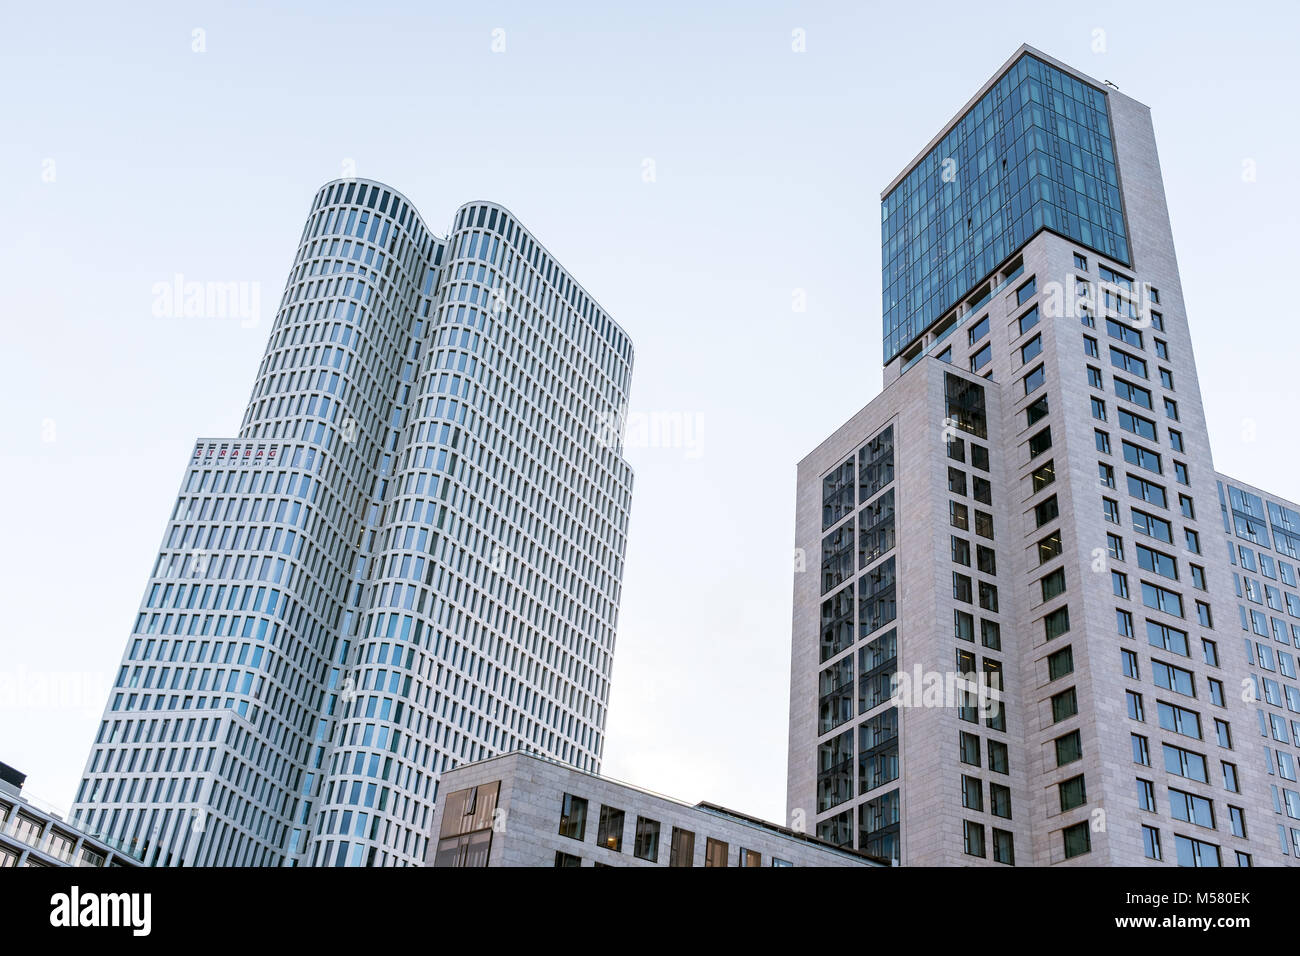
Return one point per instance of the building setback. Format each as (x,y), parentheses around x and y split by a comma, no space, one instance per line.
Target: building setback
(410,556)
(522,810)
(1030,501)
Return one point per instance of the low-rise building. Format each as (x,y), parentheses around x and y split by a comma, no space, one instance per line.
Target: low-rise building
(33,834)
(519,809)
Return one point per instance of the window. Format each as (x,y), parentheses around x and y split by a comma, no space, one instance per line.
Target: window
(1029,320)
(981,358)
(1162,599)
(1053,584)
(963,626)
(1174,678)
(1077,840)
(715,852)
(1089,346)
(1141,457)
(1049,547)
(1044,475)
(1069,748)
(1098,409)
(957,481)
(1102,441)
(1057,623)
(1133,700)
(1034,379)
(1210,652)
(972,793)
(1230,777)
(1141,752)
(1184,763)
(1148,491)
(749,857)
(610,831)
(1180,720)
(960,550)
(1110,510)
(682,851)
(969,749)
(1040,443)
(1167,380)
(1142,427)
(1124,333)
(1171,409)
(1064,705)
(1004,850)
(1072,793)
(1195,852)
(1152,526)
(647,840)
(1123,623)
(1168,638)
(1080,262)
(1146,795)
(978,330)
(974,838)
(567,859)
(1223,733)
(1119,584)
(1128,363)
(1132,393)
(1162,349)
(1036,410)
(1031,349)
(1000,800)
(1192,541)
(573,817)
(986,560)
(998,757)
(1094,378)
(1180,473)
(1060,663)
(958,515)
(1105,475)
(1045,511)
(1026,291)
(1157,561)
(1151,843)
(1237,821)
(1129,662)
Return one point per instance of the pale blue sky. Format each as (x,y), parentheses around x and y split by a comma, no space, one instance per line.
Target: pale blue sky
(769,165)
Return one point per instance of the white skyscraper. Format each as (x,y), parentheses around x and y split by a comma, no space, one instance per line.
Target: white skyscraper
(410,557)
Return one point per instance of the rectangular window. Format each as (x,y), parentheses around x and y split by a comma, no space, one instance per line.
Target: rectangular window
(974,838)
(573,817)
(1031,349)
(1069,748)
(647,840)
(715,852)
(1060,663)
(610,832)
(682,852)
(1072,793)
(1141,751)
(1077,840)
(1034,379)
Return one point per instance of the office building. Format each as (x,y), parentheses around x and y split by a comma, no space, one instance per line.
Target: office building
(1014,640)
(410,555)
(519,809)
(32,833)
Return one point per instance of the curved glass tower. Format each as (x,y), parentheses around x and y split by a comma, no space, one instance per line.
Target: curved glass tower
(410,557)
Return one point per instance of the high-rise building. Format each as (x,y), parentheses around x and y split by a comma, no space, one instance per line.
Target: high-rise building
(409,557)
(1014,641)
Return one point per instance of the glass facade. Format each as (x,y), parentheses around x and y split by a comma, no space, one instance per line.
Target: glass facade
(1035,152)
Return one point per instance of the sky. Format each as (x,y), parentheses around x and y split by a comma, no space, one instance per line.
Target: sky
(710,173)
